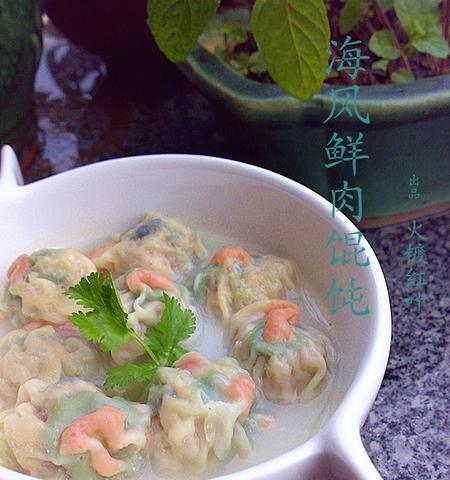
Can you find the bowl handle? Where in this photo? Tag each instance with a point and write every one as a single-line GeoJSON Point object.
{"type": "Point", "coordinates": [10, 174]}
{"type": "Point", "coordinates": [347, 457]}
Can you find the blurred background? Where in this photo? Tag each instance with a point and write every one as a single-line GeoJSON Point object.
{"type": "Point", "coordinates": [124, 99]}
{"type": "Point", "coordinates": [102, 89]}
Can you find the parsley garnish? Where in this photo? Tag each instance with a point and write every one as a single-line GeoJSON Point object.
{"type": "Point", "coordinates": [106, 323]}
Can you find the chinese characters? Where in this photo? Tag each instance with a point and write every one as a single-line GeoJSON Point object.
{"type": "Point", "coordinates": [345, 249]}
{"type": "Point", "coordinates": [415, 254]}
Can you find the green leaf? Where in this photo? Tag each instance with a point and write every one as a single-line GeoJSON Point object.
{"type": "Point", "coordinates": [219, 52]}
{"type": "Point", "coordinates": [241, 62]}
{"type": "Point", "coordinates": [416, 7]}
{"type": "Point", "coordinates": [235, 33]}
{"type": "Point", "coordinates": [404, 14]}
{"type": "Point", "coordinates": [98, 329]}
{"type": "Point", "coordinates": [257, 63]}
{"type": "Point", "coordinates": [293, 36]}
{"type": "Point", "coordinates": [426, 35]}
{"type": "Point", "coordinates": [212, 31]}
{"type": "Point", "coordinates": [128, 373]}
{"type": "Point", "coordinates": [433, 44]}
{"type": "Point", "coordinates": [380, 64]}
{"type": "Point", "coordinates": [350, 15]}
{"type": "Point", "coordinates": [177, 352]}
{"type": "Point", "coordinates": [176, 324]}
{"type": "Point", "coordinates": [418, 16]}
{"type": "Point", "coordinates": [106, 323]}
{"type": "Point", "coordinates": [382, 44]}
{"type": "Point", "coordinates": [177, 24]}
{"type": "Point", "coordinates": [402, 75]}
{"type": "Point", "coordinates": [386, 4]}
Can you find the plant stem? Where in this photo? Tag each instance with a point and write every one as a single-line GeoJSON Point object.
{"type": "Point", "coordinates": [342, 74]}
{"type": "Point", "coordinates": [389, 68]}
{"type": "Point", "coordinates": [385, 20]}
{"type": "Point", "coordinates": [369, 26]}
{"type": "Point", "coordinates": [446, 19]}
{"type": "Point", "coordinates": [144, 346]}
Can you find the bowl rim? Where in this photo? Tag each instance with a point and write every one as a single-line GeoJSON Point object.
{"type": "Point", "coordinates": [360, 394]}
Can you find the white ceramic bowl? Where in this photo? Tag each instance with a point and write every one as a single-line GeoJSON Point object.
{"type": "Point", "coordinates": [80, 206]}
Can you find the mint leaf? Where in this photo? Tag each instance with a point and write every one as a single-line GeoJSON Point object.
{"type": "Point", "coordinates": [402, 75]}
{"type": "Point", "coordinates": [350, 15]}
{"type": "Point", "coordinates": [257, 63]}
{"type": "Point", "coordinates": [176, 324]}
{"type": "Point", "coordinates": [235, 33]}
{"type": "Point", "coordinates": [241, 62]}
{"type": "Point", "coordinates": [386, 4]}
{"type": "Point", "coordinates": [418, 17]}
{"type": "Point", "coordinates": [382, 44]}
{"type": "Point", "coordinates": [427, 36]}
{"type": "Point", "coordinates": [212, 31]}
{"type": "Point", "coordinates": [106, 323]}
{"type": "Point", "coordinates": [293, 36]}
{"type": "Point", "coordinates": [177, 24]}
{"type": "Point", "coordinates": [411, 8]}
{"type": "Point", "coordinates": [421, 20]}
{"type": "Point", "coordinates": [380, 64]}
{"type": "Point", "coordinates": [130, 372]}
{"type": "Point", "coordinates": [406, 10]}
{"type": "Point", "coordinates": [433, 44]}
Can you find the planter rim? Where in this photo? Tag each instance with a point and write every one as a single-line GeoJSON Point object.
{"type": "Point", "coordinates": [386, 103]}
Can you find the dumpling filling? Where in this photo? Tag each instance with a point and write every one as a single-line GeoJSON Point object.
{"type": "Point", "coordinates": [127, 328]}
{"type": "Point", "coordinates": [46, 353]}
{"type": "Point", "coordinates": [37, 284]}
{"type": "Point", "coordinates": [162, 244]}
{"type": "Point", "coordinates": [286, 361]}
{"type": "Point", "coordinates": [235, 279]}
{"type": "Point", "coordinates": [202, 409]}
{"type": "Point", "coordinates": [73, 429]}
{"type": "Point", "coordinates": [141, 291]}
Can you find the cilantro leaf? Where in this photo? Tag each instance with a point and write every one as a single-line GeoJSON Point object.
{"type": "Point", "coordinates": [97, 328]}
{"type": "Point", "coordinates": [176, 324]}
{"type": "Point", "coordinates": [130, 372]}
{"type": "Point", "coordinates": [106, 323]}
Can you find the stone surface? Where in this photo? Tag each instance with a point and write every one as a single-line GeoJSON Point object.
{"type": "Point", "coordinates": [407, 431]}
{"type": "Point", "coordinates": [84, 115]}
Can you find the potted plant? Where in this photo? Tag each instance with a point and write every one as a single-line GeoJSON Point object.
{"type": "Point", "coordinates": [405, 87]}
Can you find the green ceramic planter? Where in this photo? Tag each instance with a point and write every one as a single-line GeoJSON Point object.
{"type": "Point", "coordinates": [409, 134]}
{"type": "Point", "coordinates": [20, 49]}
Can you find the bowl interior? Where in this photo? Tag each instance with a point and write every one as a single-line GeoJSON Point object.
{"type": "Point", "coordinates": [81, 207]}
